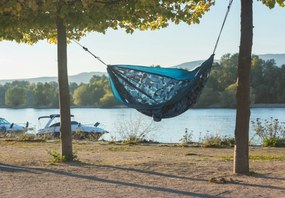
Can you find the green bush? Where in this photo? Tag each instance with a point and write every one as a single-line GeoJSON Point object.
{"type": "Point", "coordinates": [273, 142]}
{"type": "Point", "coordinates": [58, 158]}
{"type": "Point", "coordinates": [271, 132]}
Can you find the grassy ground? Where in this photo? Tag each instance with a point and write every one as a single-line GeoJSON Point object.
{"type": "Point", "coordinates": [157, 170]}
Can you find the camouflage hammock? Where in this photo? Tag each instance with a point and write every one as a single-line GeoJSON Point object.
{"type": "Point", "coordinates": [158, 92]}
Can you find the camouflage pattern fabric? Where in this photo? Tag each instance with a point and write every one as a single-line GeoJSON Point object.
{"type": "Point", "coordinates": [158, 94]}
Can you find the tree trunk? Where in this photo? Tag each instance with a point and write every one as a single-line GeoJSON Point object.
{"type": "Point", "coordinates": [64, 97]}
{"type": "Point", "coordinates": [241, 162]}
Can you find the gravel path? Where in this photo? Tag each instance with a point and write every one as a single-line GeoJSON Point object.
{"type": "Point", "coordinates": [106, 170]}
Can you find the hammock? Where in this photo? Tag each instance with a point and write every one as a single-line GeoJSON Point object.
{"type": "Point", "coordinates": [159, 92]}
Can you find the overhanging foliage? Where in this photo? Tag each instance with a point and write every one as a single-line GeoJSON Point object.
{"type": "Point", "coordinates": [34, 20]}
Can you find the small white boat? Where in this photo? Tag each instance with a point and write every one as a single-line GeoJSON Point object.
{"type": "Point", "coordinates": [52, 126]}
{"type": "Point", "coordinates": [7, 127]}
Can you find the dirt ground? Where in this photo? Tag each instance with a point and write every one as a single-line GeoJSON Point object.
{"type": "Point", "coordinates": [108, 170]}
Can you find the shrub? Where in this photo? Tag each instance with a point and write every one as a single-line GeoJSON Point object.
{"type": "Point", "coordinates": [273, 142]}
{"type": "Point", "coordinates": [218, 141]}
{"type": "Point", "coordinates": [29, 138]}
{"type": "Point", "coordinates": [135, 129]}
{"type": "Point", "coordinates": [187, 137]}
{"type": "Point", "coordinates": [58, 158]}
{"type": "Point", "coordinates": [271, 132]}
{"type": "Point", "coordinates": [79, 135]}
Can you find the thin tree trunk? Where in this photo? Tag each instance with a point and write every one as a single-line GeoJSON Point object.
{"type": "Point", "coordinates": [241, 162]}
{"type": "Point", "coordinates": [64, 97]}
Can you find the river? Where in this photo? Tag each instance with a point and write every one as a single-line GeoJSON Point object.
{"type": "Point", "coordinates": [198, 121]}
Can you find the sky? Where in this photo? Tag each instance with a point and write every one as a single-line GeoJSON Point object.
{"type": "Point", "coordinates": [170, 46]}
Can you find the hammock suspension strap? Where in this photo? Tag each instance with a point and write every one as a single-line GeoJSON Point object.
{"type": "Point", "coordinates": [225, 18]}
{"type": "Point", "coordinates": [87, 50]}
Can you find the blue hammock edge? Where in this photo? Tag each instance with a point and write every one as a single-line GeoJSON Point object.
{"type": "Point", "coordinates": [178, 74]}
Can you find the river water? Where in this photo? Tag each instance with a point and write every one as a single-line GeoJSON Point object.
{"type": "Point", "coordinates": [198, 121]}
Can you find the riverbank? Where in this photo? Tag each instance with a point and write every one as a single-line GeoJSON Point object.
{"type": "Point", "coordinates": [198, 121]}
{"type": "Point", "coordinates": [147, 170]}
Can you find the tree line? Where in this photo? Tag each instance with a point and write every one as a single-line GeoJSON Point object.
{"type": "Point", "coordinates": [266, 87]}
{"type": "Point", "coordinates": [25, 94]}
{"type": "Point", "coordinates": [267, 83]}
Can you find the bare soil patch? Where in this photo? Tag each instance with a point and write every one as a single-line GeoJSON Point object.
{"type": "Point", "coordinates": [108, 170]}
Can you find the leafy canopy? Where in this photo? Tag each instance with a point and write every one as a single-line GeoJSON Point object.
{"type": "Point", "coordinates": [33, 20]}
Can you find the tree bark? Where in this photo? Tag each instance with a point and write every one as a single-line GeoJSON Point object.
{"type": "Point", "coordinates": [241, 161]}
{"type": "Point", "coordinates": [63, 86]}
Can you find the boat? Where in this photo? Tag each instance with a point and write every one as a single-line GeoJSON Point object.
{"type": "Point", "coordinates": [8, 127]}
{"type": "Point", "coordinates": [79, 131]}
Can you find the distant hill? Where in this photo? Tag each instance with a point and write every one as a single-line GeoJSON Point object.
{"type": "Point", "coordinates": [78, 78]}
{"type": "Point", "coordinates": [189, 65]}
{"type": "Point", "coordinates": [279, 58]}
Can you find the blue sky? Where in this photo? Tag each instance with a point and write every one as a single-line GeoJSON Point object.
{"type": "Point", "coordinates": [173, 45]}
